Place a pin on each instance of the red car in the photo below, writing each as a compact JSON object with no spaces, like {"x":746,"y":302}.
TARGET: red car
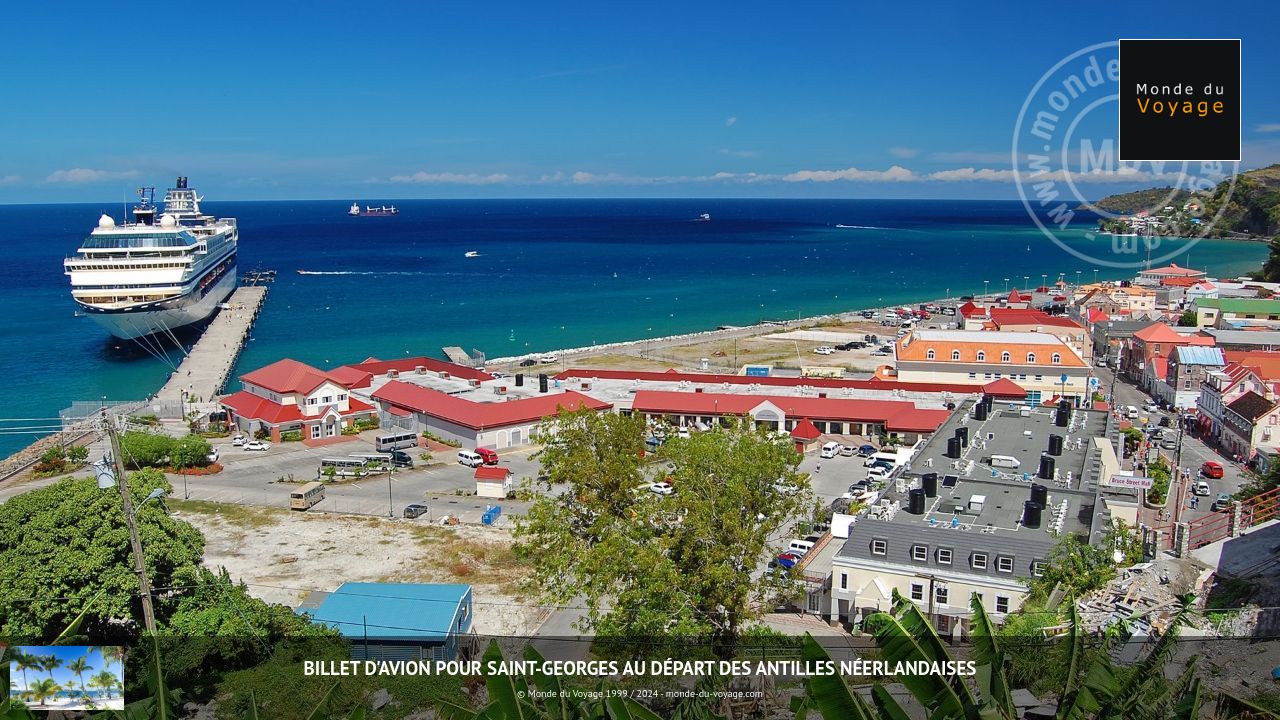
{"x":1211,"y":469}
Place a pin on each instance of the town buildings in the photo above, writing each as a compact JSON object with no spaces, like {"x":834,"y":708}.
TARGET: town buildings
{"x":396,"y":621}
{"x":1237,"y":312}
{"x":288,"y":395}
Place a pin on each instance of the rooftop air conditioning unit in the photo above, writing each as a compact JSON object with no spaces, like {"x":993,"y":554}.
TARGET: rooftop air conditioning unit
{"x":443,"y":375}
{"x":420,"y":369}
{"x":473,"y":383}
{"x":585,"y":386}
{"x":393,"y":373}
{"x":500,"y":389}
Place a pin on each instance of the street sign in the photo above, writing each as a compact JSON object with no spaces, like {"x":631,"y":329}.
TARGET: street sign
{"x":1063,"y":378}
{"x":1130,"y":481}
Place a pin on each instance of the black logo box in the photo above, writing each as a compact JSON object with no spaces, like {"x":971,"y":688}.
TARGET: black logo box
{"x":1188,"y":65}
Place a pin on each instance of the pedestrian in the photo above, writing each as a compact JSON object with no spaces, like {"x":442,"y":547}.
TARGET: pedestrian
{"x":818,"y":469}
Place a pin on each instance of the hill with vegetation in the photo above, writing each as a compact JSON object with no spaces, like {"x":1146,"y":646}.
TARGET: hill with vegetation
{"x":1138,"y":200}
{"x":1252,"y":206}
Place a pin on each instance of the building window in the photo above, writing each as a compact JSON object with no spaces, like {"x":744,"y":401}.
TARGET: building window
{"x":1031,"y":358}
{"x":940,"y":594}
{"x":326,"y":399}
{"x":1039,"y":378}
{"x":982,"y":356}
{"x":315,"y":431}
{"x":978,"y":561}
{"x":879,"y":547}
{"x":1056,"y":359}
{"x":955,"y":354}
{"x":986,"y":376}
{"x":844,"y":581}
{"x":1037,"y":568}
{"x":1004,"y":563}
{"x":815,"y":602}
{"x":1002,"y":604}
{"x":311,"y":401}
{"x":944,"y":556}
{"x":919,"y":553}
{"x":928,"y":355}
{"x":973,"y":375}
{"x":1005,"y":356}
{"x":917,"y":591}
{"x":342,"y":396}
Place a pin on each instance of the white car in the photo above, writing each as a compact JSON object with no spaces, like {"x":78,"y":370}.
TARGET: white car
{"x":662,"y":488}
{"x":239,"y":440}
{"x":545,"y":359}
{"x":1151,"y":407}
{"x":877,"y":473}
{"x":683,"y":433}
{"x":1202,"y":489}
{"x":824,"y":350}
{"x":257,"y":445}
{"x":213,"y":455}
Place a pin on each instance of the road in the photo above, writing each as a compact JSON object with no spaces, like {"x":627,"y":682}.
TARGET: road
{"x":1194,"y":454}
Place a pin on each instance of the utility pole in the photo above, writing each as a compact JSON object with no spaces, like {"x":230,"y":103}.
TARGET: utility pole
{"x":1183,"y":480}
{"x":135,"y":542}
{"x":391,"y":470}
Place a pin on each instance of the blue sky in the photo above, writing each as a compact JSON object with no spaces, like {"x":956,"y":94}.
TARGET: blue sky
{"x":62,"y":676}
{"x":569,"y":99}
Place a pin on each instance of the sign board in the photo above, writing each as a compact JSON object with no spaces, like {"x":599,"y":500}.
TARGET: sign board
{"x":756,"y":371}
{"x":1130,"y":481}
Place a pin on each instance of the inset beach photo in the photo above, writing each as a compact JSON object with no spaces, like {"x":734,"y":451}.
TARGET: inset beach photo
{"x":69,"y":677}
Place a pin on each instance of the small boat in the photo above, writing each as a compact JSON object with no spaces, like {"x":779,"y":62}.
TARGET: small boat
{"x":472,"y":253}
{"x":704,"y":217}
{"x":370,"y":211}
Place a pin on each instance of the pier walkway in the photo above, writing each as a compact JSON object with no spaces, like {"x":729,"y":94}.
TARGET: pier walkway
{"x":205,"y":371}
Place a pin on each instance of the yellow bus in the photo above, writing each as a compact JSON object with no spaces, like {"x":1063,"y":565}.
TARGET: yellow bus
{"x":306,"y":496}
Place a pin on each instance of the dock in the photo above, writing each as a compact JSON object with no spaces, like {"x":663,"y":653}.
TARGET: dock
{"x":458,"y":356}
{"x":204,"y":372}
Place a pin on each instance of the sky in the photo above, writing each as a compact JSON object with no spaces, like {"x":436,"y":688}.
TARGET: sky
{"x":62,"y":676}
{"x":331,"y":100}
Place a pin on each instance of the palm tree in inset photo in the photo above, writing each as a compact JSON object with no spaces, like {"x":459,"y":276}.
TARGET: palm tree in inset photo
{"x":80,"y":666}
{"x":112,"y":654}
{"x":104,"y":680}
{"x":25,"y":661}
{"x":49,"y":663}
{"x":42,"y":690}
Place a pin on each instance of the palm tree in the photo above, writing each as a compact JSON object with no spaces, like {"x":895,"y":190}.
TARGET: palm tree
{"x":42,"y":690}
{"x":104,"y":680}
{"x":112,"y":654}
{"x":24,"y":662}
{"x":49,"y":663}
{"x":79,"y":666}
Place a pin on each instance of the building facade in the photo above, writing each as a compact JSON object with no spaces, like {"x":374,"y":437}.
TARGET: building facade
{"x":288,"y":395}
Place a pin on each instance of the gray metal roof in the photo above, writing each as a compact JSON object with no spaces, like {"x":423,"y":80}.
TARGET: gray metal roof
{"x":1260,"y":338}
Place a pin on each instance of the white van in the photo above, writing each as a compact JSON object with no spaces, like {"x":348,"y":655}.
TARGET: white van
{"x":470,"y":458}
{"x":1131,"y":412}
{"x":830,"y":450}
{"x":1004,"y":461}
{"x":800,"y":547}
{"x":881,"y":457}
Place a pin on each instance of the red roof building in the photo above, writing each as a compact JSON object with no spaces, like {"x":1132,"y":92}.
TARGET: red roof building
{"x":805,"y":430}
{"x":673,"y":375}
{"x":374,"y":366}
{"x":1157,"y":340}
{"x":291,"y":396}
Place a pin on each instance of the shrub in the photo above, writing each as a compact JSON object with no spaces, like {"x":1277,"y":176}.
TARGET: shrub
{"x":291,"y":436}
{"x":78,"y":454}
{"x":190,"y":451}
{"x":145,"y":449}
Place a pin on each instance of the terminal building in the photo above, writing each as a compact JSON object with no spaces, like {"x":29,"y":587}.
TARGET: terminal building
{"x":977,"y":510}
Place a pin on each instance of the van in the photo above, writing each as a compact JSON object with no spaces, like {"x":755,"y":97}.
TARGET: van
{"x":830,"y":450}
{"x":1131,"y":412}
{"x":1004,"y":461}
{"x":883,"y":458}
{"x":488,"y":456}
{"x":470,"y":458}
{"x":800,"y":547}
{"x":878,"y":472}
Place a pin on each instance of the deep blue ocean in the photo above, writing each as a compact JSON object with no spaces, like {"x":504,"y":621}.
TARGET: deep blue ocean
{"x":550,"y":274}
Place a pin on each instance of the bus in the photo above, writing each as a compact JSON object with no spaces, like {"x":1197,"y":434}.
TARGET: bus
{"x":345,"y":466}
{"x":396,"y":441}
{"x":306,"y":496}
{"x":377,"y":461}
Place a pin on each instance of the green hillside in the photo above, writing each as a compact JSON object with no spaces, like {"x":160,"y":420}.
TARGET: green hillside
{"x":1253,"y":208}
{"x":1132,"y":202}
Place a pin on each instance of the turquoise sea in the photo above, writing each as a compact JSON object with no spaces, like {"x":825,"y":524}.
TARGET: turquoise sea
{"x":550,"y":274}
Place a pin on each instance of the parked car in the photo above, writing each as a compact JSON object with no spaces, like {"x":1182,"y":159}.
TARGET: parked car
{"x":786,"y":561}
{"x":1211,"y":469}
{"x":848,"y":450}
{"x":488,"y":456}
{"x":415,"y":510}
{"x":662,"y":488}
{"x":257,"y":445}
{"x":547,"y":359}
{"x":829,"y":450}
{"x":239,"y":440}
{"x":1201,"y":488}
{"x":1151,"y":407}
{"x":823,"y":350}
{"x":878,"y":472}
{"x":1222,"y":502}
{"x":683,"y":433}
{"x":1165,"y":421}
{"x":866,"y":450}
{"x":528,"y":362}
{"x":213,"y":455}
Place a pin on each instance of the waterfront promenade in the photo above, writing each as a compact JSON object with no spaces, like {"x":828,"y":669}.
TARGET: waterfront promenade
{"x":205,"y":370}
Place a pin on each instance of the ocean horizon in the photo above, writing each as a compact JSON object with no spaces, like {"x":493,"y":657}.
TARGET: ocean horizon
{"x":549,"y":274}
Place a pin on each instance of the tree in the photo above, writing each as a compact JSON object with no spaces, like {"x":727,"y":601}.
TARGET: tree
{"x":190,"y":451}
{"x":661,"y":566}
{"x":64,"y":543}
{"x":1079,"y":567}
{"x":1271,"y":268}
{"x":1187,"y":318}
{"x":42,"y":690}
{"x":23,"y":662}
{"x":79,"y":666}
{"x":104,"y":680}
{"x":112,"y":654}
{"x":145,"y":449}
{"x":49,"y":663}
{"x":78,"y":454}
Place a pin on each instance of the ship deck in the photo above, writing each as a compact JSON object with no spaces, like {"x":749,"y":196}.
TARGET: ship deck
{"x":205,"y":371}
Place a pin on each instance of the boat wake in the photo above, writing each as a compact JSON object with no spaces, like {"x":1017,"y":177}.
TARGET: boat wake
{"x":361,"y":272}
{"x":863,"y":227}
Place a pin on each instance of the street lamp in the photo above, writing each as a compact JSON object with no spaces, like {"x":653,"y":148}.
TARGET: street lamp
{"x":984,"y":287}
{"x":1006,"y":286}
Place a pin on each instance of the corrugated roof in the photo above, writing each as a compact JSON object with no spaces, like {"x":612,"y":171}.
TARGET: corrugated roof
{"x":400,"y":610}
{"x":288,"y":376}
{"x":1247,"y":306}
{"x":481,"y":415}
{"x":1197,"y":355}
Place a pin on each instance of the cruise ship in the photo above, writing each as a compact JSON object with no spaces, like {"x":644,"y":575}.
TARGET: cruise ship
{"x":158,"y":272}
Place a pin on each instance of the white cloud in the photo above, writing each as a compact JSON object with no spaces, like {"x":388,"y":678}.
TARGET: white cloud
{"x":729,"y":121}
{"x":969,"y":174}
{"x":739,"y":153}
{"x":896,"y":173}
{"x":1267,"y":128}
{"x":86,"y":175}
{"x":904,"y":152}
{"x":10,"y":180}
{"x":447,"y":178}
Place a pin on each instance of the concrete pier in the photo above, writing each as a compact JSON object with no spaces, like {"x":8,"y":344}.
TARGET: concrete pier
{"x":206,"y":369}
{"x":458,"y":356}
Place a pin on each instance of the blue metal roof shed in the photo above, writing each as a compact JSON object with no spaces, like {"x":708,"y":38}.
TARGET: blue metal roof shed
{"x":396,"y":621}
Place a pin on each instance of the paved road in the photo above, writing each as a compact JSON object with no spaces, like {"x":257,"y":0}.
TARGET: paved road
{"x":1194,"y":454}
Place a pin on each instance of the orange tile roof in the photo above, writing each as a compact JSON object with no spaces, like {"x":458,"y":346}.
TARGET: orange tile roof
{"x":994,"y":347}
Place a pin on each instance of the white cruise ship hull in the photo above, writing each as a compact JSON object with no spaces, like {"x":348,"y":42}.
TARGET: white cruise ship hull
{"x":194,"y":307}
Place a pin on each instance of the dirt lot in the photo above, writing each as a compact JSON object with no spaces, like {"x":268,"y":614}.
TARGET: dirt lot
{"x":283,"y":555}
